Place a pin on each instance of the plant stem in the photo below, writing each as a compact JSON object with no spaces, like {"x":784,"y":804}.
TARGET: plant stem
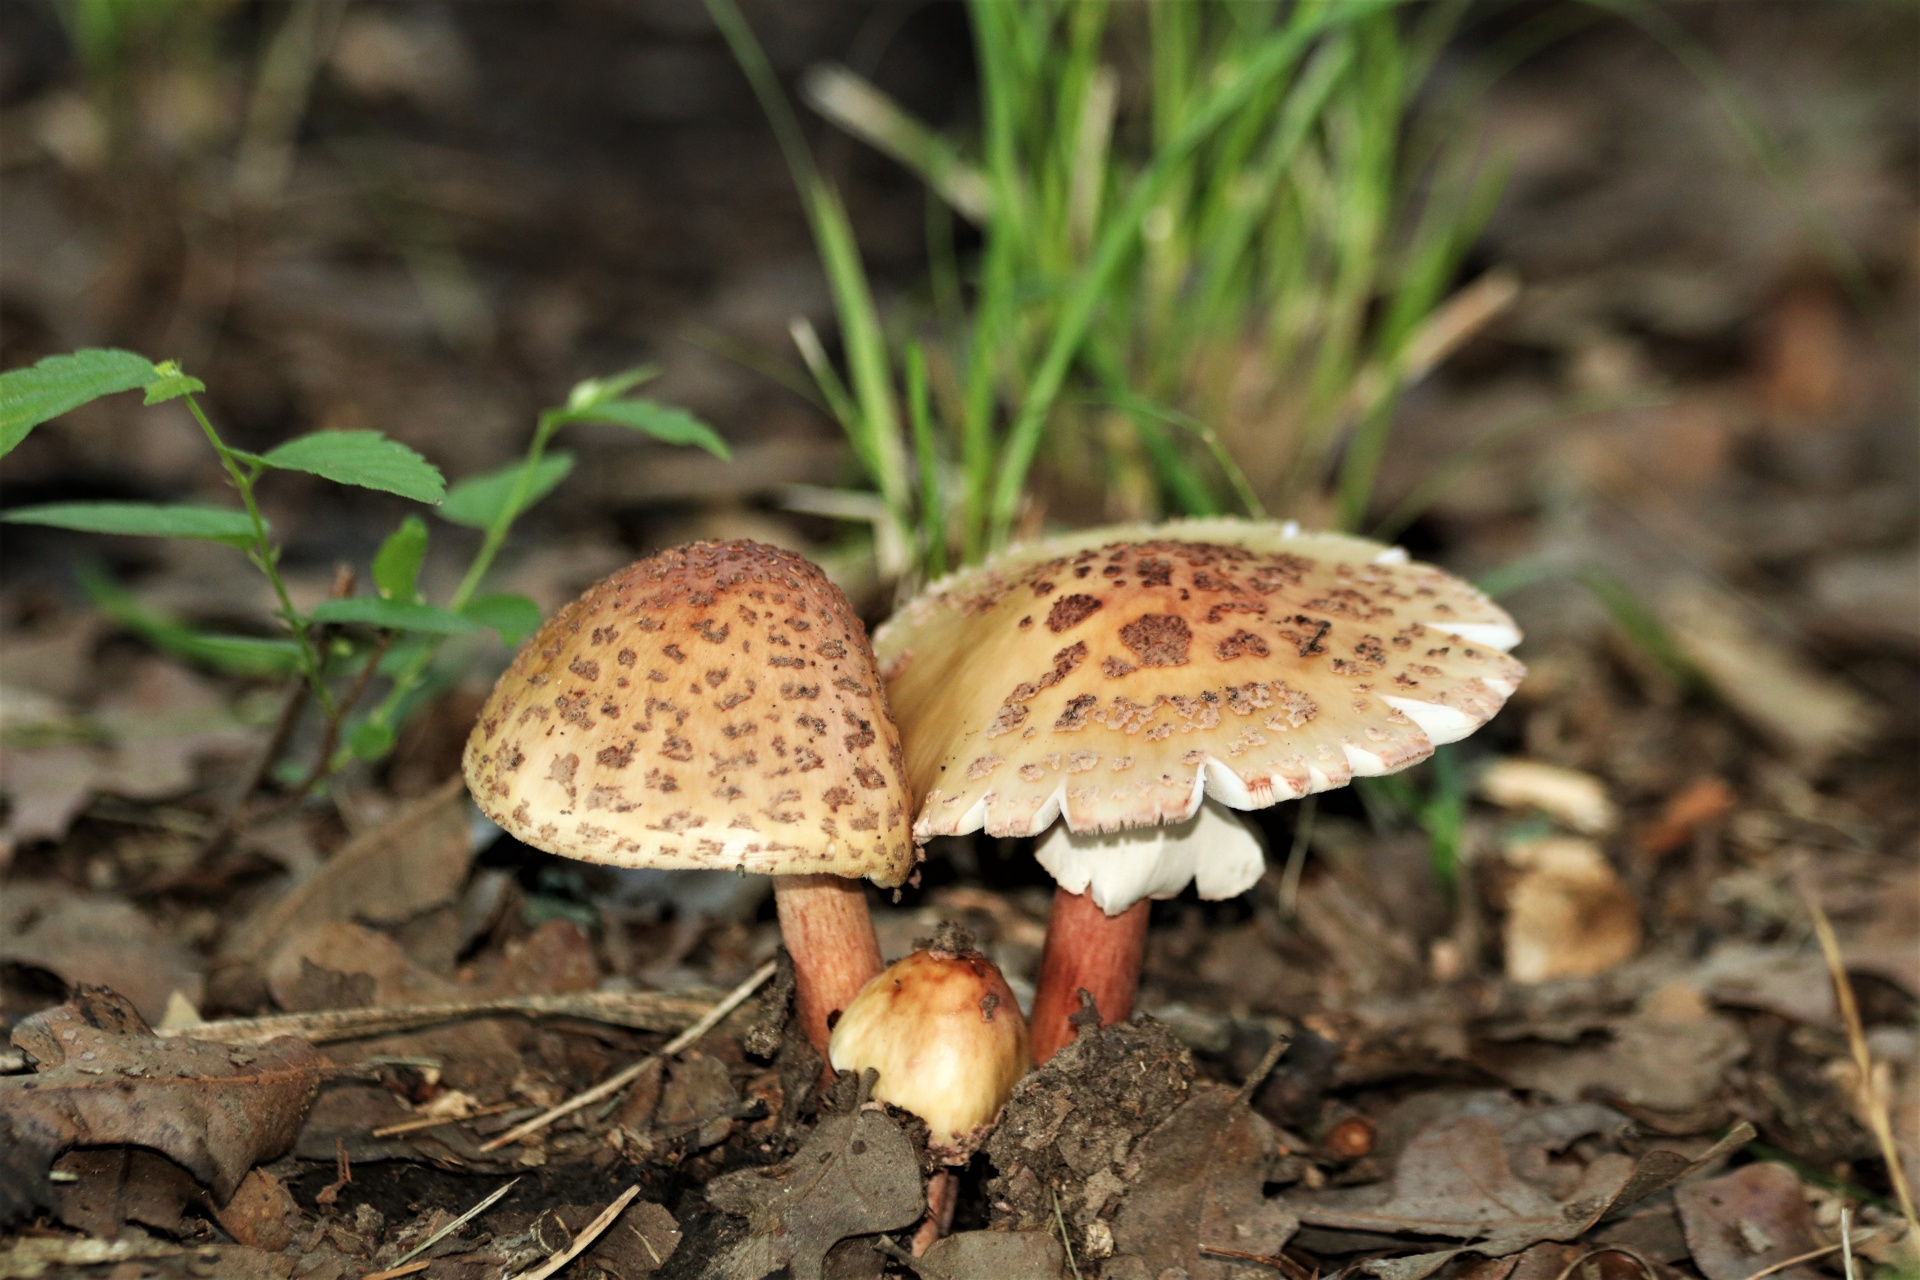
{"x":265,"y":556}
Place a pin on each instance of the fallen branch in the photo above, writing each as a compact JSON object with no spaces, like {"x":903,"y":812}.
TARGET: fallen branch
{"x":621,"y":1079}
{"x":640,"y":1010}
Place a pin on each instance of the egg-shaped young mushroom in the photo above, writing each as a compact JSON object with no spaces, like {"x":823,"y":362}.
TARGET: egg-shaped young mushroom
{"x":712,"y":706}
{"x":1117,"y":678}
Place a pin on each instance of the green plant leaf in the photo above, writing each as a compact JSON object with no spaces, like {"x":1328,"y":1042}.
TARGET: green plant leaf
{"x":476,"y":501}
{"x":597,"y":391}
{"x":370,"y":740}
{"x":31,"y":396}
{"x":396,"y":565}
{"x":253,"y":657}
{"x":514,"y":617}
{"x":364,"y":458}
{"x":663,"y":422}
{"x":146,"y":519}
{"x":171,"y":384}
{"x":394,"y":615}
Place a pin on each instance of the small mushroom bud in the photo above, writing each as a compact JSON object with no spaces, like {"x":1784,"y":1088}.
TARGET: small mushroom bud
{"x":947,"y":1037}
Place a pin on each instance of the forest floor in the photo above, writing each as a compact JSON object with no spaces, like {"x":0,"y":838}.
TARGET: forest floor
{"x":1612,"y":1043}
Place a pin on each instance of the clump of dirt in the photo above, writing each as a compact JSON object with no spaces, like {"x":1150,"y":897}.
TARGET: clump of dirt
{"x":1069,"y":1126}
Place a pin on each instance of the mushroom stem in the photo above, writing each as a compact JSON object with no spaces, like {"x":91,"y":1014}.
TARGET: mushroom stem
{"x":829,"y":933}
{"x":1089,"y":950}
{"x":943,"y":1197}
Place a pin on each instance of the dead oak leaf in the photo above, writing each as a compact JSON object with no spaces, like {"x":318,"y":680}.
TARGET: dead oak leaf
{"x":1749,"y":1220}
{"x":102,"y":1079}
{"x":856,"y":1175}
{"x":1454,"y":1181}
{"x":1196,"y":1180}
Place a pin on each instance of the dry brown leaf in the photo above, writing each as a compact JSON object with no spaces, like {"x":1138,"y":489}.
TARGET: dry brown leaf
{"x":262,"y":1212}
{"x":1747,"y":1221}
{"x":856,"y":1175}
{"x":1568,"y":915}
{"x":1196,"y":1180}
{"x":406,"y":865}
{"x":1454,"y":1180}
{"x":102,"y":1079}
{"x":96,"y":939}
{"x":1670,"y":1056}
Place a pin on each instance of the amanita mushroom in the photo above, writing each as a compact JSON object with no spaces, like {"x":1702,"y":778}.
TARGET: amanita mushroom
{"x":946,"y":1037}
{"x":713,"y":706}
{"x":1114,"y":678}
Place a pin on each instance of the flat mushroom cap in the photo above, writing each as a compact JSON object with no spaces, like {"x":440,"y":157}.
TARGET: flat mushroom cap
{"x":1115,"y":676}
{"x":713,"y":706}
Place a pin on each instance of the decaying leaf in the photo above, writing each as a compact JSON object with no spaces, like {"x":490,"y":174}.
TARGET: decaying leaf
{"x":1671,"y":1055}
{"x":856,"y":1175}
{"x":102,"y":1187}
{"x":102,"y":1079}
{"x":993,"y":1255}
{"x":412,"y":862}
{"x":1454,"y":1180}
{"x":1747,"y":1221}
{"x":96,"y":939}
{"x":1196,"y":1180}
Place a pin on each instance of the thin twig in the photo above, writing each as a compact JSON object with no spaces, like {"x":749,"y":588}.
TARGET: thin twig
{"x":1279,"y":1262}
{"x":1060,"y":1220}
{"x":621,"y":1079}
{"x":1846,"y":1240}
{"x":1268,"y":1061}
{"x":394,"y":1273}
{"x":290,"y":708}
{"x":1646,"y":1268}
{"x":330,"y":736}
{"x":641,"y":1010}
{"x":453,"y":1226}
{"x":1796,"y":1260}
{"x":585,"y":1239}
{"x":434,"y":1122}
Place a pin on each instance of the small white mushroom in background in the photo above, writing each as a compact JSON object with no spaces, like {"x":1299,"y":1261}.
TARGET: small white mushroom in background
{"x":1116,"y":678}
{"x":713,"y":706}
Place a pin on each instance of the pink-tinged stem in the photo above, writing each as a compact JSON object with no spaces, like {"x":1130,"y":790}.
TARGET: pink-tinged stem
{"x":943,"y":1197}
{"x":829,"y":934}
{"x":1089,"y":950}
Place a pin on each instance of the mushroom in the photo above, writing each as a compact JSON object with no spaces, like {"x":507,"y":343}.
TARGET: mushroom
{"x":946,"y":1038}
{"x":1116,"y":678}
{"x":713,"y":706}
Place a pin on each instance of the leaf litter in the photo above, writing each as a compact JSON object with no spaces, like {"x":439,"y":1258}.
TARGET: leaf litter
{"x":1636,"y":991}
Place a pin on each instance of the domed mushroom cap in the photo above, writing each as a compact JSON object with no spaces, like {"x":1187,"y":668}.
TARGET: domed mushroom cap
{"x":713,"y":706}
{"x":1115,"y":676}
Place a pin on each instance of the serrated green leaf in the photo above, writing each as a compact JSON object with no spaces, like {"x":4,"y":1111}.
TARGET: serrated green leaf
{"x":476,"y":501}
{"x":396,"y":565}
{"x":395,"y":615}
{"x":665,"y":423}
{"x":144,"y":519}
{"x":31,"y":396}
{"x":597,"y":391}
{"x":514,"y":617}
{"x":171,"y":384}
{"x":370,"y":740}
{"x":364,"y":458}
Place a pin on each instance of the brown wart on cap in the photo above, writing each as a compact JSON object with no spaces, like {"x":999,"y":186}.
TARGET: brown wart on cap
{"x":713,"y":706}
{"x":1114,"y":678}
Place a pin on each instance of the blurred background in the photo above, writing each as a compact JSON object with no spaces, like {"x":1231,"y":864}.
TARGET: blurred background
{"x":1611,"y":308}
